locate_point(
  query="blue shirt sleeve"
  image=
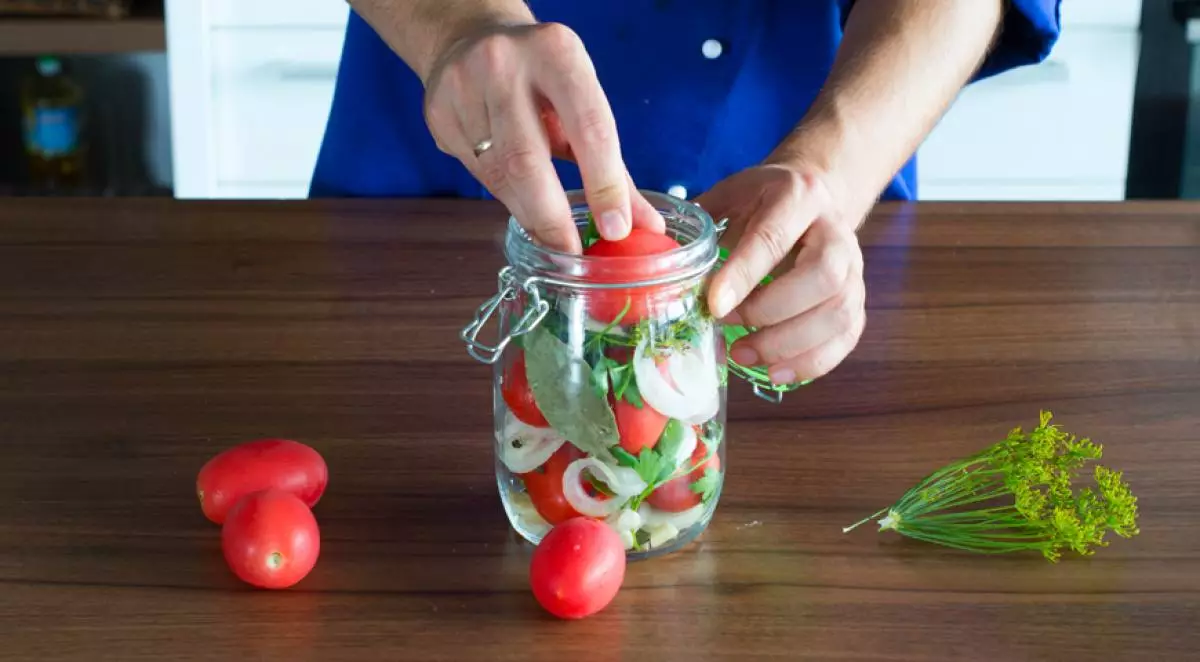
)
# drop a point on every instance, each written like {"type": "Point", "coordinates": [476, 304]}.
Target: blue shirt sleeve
{"type": "Point", "coordinates": [1031, 27]}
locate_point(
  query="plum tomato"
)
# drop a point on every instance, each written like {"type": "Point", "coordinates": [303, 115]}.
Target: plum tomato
{"type": "Point", "coordinates": [578, 568]}
{"type": "Point", "coordinates": [545, 485]}
{"type": "Point", "coordinates": [258, 465]}
{"type": "Point", "coordinates": [519, 397]}
{"type": "Point", "coordinates": [605, 306]}
{"type": "Point", "coordinates": [676, 495]}
{"type": "Point", "coordinates": [270, 539]}
{"type": "Point", "coordinates": [639, 427]}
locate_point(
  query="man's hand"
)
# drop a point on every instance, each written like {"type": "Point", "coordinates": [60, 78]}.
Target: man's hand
{"type": "Point", "coordinates": [812, 315]}
{"type": "Point", "coordinates": [504, 99]}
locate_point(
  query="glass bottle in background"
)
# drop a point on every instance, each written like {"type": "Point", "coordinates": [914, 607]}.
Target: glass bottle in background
{"type": "Point", "coordinates": [52, 107]}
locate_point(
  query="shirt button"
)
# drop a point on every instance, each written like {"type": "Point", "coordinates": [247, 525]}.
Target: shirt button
{"type": "Point", "coordinates": [678, 192]}
{"type": "Point", "coordinates": [712, 49]}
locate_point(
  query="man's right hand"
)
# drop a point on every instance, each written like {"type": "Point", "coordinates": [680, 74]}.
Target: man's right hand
{"type": "Point", "coordinates": [504, 99]}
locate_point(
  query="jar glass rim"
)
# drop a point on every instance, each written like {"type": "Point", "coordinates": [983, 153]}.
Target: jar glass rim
{"type": "Point", "coordinates": [683, 218]}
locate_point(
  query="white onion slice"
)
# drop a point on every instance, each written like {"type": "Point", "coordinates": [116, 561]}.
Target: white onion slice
{"type": "Point", "coordinates": [524, 448]}
{"type": "Point", "coordinates": [683, 456]}
{"type": "Point", "coordinates": [692, 394]}
{"type": "Point", "coordinates": [683, 520]}
{"type": "Point", "coordinates": [621, 481]}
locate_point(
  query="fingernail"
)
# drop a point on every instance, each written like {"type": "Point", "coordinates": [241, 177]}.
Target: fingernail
{"type": "Point", "coordinates": [733, 319]}
{"type": "Point", "coordinates": [723, 302]}
{"type": "Point", "coordinates": [612, 225]}
{"type": "Point", "coordinates": [782, 376]}
{"type": "Point", "coordinates": [745, 356]}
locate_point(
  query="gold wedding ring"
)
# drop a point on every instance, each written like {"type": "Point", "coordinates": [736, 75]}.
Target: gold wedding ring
{"type": "Point", "coordinates": [482, 146]}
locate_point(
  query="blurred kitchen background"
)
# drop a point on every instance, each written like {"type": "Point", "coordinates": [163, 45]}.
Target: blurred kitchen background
{"type": "Point", "coordinates": [228, 99]}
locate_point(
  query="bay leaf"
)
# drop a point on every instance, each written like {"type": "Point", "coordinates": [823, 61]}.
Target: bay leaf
{"type": "Point", "coordinates": [562, 386]}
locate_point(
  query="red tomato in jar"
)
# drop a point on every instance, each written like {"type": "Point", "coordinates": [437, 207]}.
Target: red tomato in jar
{"type": "Point", "coordinates": [519, 397]}
{"type": "Point", "coordinates": [638, 427]}
{"type": "Point", "coordinates": [676, 495]}
{"type": "Point", "coordinates": [258, 465]}
{"type": "Point", "coordinates": [606, 305]}
{"type": "Point", "coordinates": [578, 568]}
{"type": "Point", "coordinates": [545, 486]}
{"type": "Point", "coordinates": [270, 539]}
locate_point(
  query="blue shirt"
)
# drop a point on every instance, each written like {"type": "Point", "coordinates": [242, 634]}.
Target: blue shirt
{"type": "Point", "coordinates": [683, 119]}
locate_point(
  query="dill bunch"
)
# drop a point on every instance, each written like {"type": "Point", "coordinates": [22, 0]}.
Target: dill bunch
{"type": "Point", "coordinates": [1018, 495]}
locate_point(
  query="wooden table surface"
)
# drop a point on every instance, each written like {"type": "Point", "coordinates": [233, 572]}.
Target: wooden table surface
{"type": "Point", "coordinates": [138, 338]}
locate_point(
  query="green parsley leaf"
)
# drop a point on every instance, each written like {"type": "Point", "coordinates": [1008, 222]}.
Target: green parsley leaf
{"type": "Point", "coordinates": [708, 485]}
{"type": "Point", "coordinates": [650, 466]}
{"type": "Point", "coordinates": [670, 441]}
{"type": "Point", "coordinates": [624, 457]}
{"type": "Point", "coordinates": [600, 374]}
{"type": "Point", "coordinates": [591, 234]}
{"type": "Point", "coordinates": [631, 394]}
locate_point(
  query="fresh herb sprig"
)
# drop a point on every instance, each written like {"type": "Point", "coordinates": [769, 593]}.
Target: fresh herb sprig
{"type": "Point", "coordinates": [1018, 495]}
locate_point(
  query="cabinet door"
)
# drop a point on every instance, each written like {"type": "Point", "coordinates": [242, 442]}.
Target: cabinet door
{"type": "Point", "coordinates": [1062, 124]}
{"type": "Point", "coordinates": [278, 13]}
{"type": "Point", "coordinates": [271, 92]}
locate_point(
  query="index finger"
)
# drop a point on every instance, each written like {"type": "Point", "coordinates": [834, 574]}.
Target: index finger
{"type": "Point", "coordinates": [570, 85]}
{"type": "Point", "coordinates": [767, 240]}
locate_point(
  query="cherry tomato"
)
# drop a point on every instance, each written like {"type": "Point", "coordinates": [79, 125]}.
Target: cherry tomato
{"type": "Point", "coordinates": [606, 305]}
{"type": "Point", "coordinates": [545, 486]}
{"type": "Point", "coordinates": [519, 397]}
{"type": "Point", "coordinates": [258, 465]}
{"type": "Point", "coordinates": [578, 568]}
{"type": "Point", "coordinates": [639, 427]}
{"type": "Point", "coordinates": [676, 495]}
{"type": "Point", "coordinates": [270, 539]}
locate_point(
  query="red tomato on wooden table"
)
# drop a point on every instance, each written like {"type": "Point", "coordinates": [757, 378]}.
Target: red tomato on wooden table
{"type": "Point", "coordinates": [606, 305]}
{"type": "Point", "coordinates": [578, 568]}
{"type": "Point", "coordinates": [270, 539]}
{"type": "Point", "coordinates": [519, 397]}
{"type": "Point", "coordinates": [258, 465]}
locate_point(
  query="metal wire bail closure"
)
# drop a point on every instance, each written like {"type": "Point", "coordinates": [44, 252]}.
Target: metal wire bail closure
{"type": "Point", "coordinates": [507, 290]}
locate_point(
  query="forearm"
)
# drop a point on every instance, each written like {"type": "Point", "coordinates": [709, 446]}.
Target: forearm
{"type": "Point", "coordinates": [420, 30]}
{"type": "Point", "coordinates": [899, 67]}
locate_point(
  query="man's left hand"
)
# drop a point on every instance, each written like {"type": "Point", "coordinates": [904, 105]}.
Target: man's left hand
{"type": "Point", "coordinates": [812, 315]}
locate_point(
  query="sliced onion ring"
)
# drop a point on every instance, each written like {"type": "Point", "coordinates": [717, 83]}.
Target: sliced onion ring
{"type": "Point", "coordinates": [692, 394]}
{"type": "Point", "coordinates": [686, 447]}
{"type": "Point", "coordinates": [536, 445]}
{"type": "Point", "coordinates": [622, 481]}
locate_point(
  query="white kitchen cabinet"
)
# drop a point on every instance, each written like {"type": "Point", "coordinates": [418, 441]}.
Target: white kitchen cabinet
{"type": "Point", "coordinates": [251, 86]}
{"type": "Point", "coordinates": [1055, 131]}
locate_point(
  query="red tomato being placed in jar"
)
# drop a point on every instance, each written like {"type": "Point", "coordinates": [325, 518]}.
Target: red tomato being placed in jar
{"type": "Point", "coordinates": [606, 305]}
{"type": "Point", "coordinates": [676, 495]}
{"type": "Point", "coordinates": [578, 568]}
{"type": "Point", "coordinates": [519, 397]}
{"type": "Point", "coordinates": [545, 485]}
{"type": "Point", "coordinates": [270, 539]}
{"type": "Point", "coordinates": [258, 465]}
{"type": "Point", "coordinates": [639, 427]}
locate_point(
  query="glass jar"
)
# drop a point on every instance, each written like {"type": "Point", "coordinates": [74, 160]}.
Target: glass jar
{"type": "Point", "coordinates": [609, 386]}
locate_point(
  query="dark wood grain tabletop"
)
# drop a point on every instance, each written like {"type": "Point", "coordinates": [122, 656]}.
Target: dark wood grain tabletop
{"type": "Point", "coordinates": [138, 338]}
